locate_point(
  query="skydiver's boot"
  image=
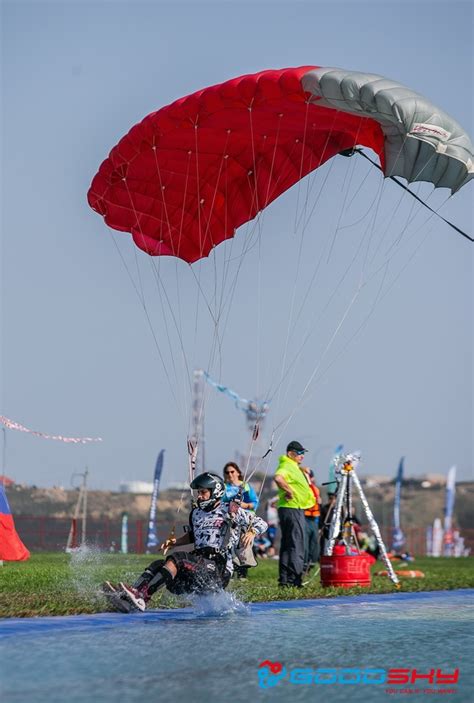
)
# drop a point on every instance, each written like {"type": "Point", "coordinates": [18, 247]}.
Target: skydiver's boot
{"type": "Point", "coordinates": [154, 577]}
{"type": "Point", "coordinates": [114, 597]}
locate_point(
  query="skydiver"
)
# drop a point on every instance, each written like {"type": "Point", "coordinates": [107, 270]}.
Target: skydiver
{"type": "Point", "coordinates": [215, 528]}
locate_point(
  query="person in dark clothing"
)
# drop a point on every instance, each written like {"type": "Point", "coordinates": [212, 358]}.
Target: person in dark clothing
{"type": "Point", "coordinates": [311, 519]}
{"type": "Point", "coordinates": [327, 511]}
{"type": "Point", "coordinates": [294, 497]}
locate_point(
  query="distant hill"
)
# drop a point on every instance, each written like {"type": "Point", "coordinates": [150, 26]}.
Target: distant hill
{"type": "Point", "coordinates": [419, 507]}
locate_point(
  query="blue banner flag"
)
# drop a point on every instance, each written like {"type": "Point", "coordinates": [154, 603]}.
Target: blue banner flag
{"type": "Point", "coordinates": [152, 539]}
{"type": "Point", "coordinates": [398, 538]}
{"type": "Point", "coordinates": [448, 511]}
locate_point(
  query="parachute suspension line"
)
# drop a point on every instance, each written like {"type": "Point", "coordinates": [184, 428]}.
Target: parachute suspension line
{"type": "Point", "coordinates": [295, 287]}
{"type": "Point", "coordinates": [414, 195]}
{"type": "Point", "coordinates": [252, 139]}
{"type": "Point", "coordinates": [162, 292]}
{"type": "Point", "coordinates": [184, 359]}
{"type": "Point", "coordinates": [410, 219]}
{"type": "Point", "coordinates": [284, 423]}
{"type": "Point", "coordinates": [313, 325]}
{"type": "Point", "coordinates": [318, 265]}
{"type": "Point", "coordinates": [352, 338]}
{"type": "Point", "coordinates": [314, 175]}
{"type": "Point", "coordinates": [411, 216]}
{"type": "Point", "coordinates": [147, 316]}
{"type": "Point", "coordinates": [214, 314]}
{"type": "Point", "coordinates": [284, 374]}
{"type": "Point", "coordinates": [186, 376]}
{"type": "Point", "coordinates": [379, 297]}
{"type": "Point", "coordinates": [390, 217]}
{"type": "Point", "coordinates": [259, 225]}
{"type": "Point", "coordinates": [277, 139]}
{"type": "Point", "coordinates": [371, 229]}
{"type": "Point", "coordinates": [216, 344]}
{"type": "Point", "coordinates": [252, 177]}
{"type": "Point", "coordinates": [163, 199]}
{"type": "Point", "coordinates": [388, 222]}
{"type": "Point", "coordinates": [216, 300]}
{"type": "Point", "coordinates": [198, 193]}
{"type": "Point", "coordinates": [256, 226]}
{"type": "Point", "coordinates": [266, 455]}
{"type": "Point", "coordinates": [247, 245]}
{"type": "Point", "coordinates": [295, 224]}
{"type": "Point", "coordinates": [348, 175]}
{"type": "Point", "coordinates": [308, 218]}
{"type": "Point", "coordinates": [410, 259]}
{"type": "Point", "coordinates": [185, 195]}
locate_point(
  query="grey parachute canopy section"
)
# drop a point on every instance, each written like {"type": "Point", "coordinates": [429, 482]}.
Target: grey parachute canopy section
{"type": "Point", "coordinates": [422, 142]}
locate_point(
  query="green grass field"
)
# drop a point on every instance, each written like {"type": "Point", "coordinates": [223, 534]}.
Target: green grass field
{"type": "Point", "coordinates": [61, 584]}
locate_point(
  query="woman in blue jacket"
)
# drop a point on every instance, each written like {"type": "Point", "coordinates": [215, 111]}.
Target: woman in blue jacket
{"type": "Point", "coordinates": [238, 489]}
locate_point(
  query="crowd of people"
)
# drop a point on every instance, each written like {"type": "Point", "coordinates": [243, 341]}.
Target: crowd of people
{"type": "Point", "coordinates": [227, 535]}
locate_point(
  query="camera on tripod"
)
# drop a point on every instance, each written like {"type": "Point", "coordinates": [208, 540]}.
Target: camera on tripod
{"type": "Point", "coordinates": [343, 519]}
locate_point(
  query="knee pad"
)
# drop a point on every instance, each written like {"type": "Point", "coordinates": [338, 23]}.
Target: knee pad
{"type": "Point", "coordinates": [148, 575]}
{"type": "Point", "coordinates": [160, 579]}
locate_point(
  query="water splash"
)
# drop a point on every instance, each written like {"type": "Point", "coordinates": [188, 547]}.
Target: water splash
{"type": "Point", "coordinates": [86, 565]}
{"type": "Point", "coordinates": [219, 604]}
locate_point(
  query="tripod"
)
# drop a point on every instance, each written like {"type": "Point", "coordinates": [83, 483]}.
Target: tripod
{"type": "Point", "coordinates": [346, 475]}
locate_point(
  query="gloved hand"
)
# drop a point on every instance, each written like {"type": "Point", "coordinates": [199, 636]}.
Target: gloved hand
{"type": "Point", "coordinates": [233, 507]}
{"type": "Point", "coordinates": [167, 544]}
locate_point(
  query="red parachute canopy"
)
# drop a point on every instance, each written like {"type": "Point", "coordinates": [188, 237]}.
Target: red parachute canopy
{"type": "Point", "coordinates": [187, 176]}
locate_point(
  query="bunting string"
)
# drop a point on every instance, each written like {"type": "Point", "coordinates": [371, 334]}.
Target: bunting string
{"type": "Point", "coordinates": [12, 425]}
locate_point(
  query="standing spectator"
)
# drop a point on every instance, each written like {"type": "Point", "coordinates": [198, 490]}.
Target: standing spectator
{"type": "Point", "coordinates": [235, 485]}
{"type": "Point", "coordinates": [272, 522]}
{"type": "Point", "coordinates": [237, 488]}
{"type": "Point", "coordinates": [327, 511]}
{"type": "Point", "coordinates": [294, 497]}
{"type": "Point", "coordinates": [311, 519]}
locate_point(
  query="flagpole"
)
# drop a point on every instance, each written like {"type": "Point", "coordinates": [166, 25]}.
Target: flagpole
{"type": "Point", "coordinates": [4, 453]}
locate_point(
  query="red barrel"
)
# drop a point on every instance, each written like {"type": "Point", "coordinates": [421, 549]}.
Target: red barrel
{"type": "Point", "coordinates": [346, 571]}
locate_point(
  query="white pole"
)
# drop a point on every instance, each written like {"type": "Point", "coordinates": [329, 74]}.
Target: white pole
{"type": "Point", "coordinates": [84, 507]}
{"type": "Point", "coordinates": [375, 530]}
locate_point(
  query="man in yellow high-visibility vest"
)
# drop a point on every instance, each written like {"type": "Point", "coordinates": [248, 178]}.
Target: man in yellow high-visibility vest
{"type": "Point", "coordinates": [294, 497]}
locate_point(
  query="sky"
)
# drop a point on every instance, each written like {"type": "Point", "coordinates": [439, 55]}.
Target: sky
{"type": "Point", "coordinates": [389, 371]}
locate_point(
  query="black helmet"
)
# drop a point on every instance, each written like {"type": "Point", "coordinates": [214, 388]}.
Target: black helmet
{"type": "Point", "coordinates": [213, 483]}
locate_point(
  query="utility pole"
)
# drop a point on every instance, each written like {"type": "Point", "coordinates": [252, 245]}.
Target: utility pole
{"type": "Point", "coordinates": [4, 452]}
{"type": "Point", "coordinates": [81, 507]}
{"type": "Point", "coordinates": [198, 419]}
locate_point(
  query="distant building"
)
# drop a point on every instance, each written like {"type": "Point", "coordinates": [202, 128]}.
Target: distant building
{"type": "Point", "coordinates": [375, 480]}
{"type": "Point", "coordinates": [136, 487]}
{"type": "Point", "coordinates": [433, 479]}
{"type": "Point", "coordinates": [183, 486]}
